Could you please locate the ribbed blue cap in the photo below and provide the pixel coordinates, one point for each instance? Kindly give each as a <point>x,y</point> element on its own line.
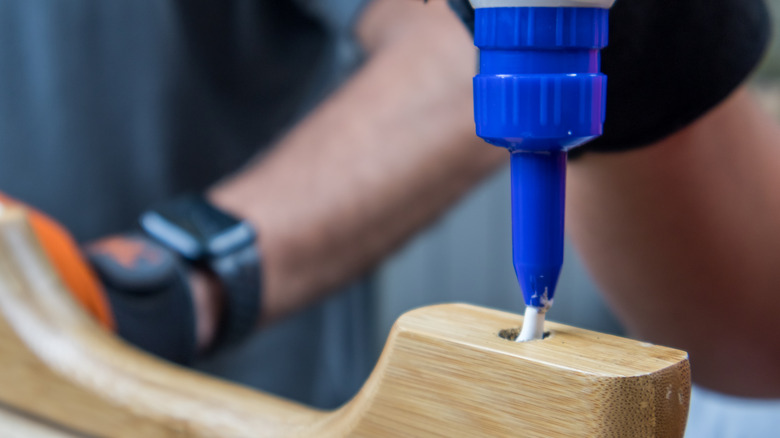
<point>539,85</point>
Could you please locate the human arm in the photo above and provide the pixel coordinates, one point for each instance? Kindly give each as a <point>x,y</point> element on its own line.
<point>683,238</point>
<point>376,162</point>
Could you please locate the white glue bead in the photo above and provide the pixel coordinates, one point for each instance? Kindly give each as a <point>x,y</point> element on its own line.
<point>533,324</point>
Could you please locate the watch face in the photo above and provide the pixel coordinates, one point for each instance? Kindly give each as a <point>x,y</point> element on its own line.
<point>196,230</point>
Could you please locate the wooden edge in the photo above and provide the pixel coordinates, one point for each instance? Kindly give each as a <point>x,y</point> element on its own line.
<point>57,363</point>
<point>444,372</point>
<point>574,383</point>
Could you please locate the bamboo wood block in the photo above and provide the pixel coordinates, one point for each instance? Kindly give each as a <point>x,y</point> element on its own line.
<point>444,372</point>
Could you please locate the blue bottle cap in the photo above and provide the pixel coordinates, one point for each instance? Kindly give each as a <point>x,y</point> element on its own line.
<point>539,85</point>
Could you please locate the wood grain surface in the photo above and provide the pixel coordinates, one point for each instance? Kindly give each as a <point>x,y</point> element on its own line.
<point>444,372</point>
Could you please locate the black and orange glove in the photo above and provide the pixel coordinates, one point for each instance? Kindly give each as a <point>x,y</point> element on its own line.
<point>149,294</point>
<point>131,285</point>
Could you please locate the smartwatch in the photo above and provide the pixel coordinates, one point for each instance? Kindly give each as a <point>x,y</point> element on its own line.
<point>211,239</point>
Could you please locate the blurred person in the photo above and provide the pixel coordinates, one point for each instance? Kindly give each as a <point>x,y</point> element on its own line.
<point>110,109</point>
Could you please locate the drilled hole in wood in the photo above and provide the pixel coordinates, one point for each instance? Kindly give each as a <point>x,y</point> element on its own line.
<point>511,334</point>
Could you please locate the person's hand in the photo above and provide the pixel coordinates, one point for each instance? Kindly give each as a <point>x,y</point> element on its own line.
<point>134,287</point>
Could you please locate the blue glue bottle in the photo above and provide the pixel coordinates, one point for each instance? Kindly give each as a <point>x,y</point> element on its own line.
<point>539,93</point>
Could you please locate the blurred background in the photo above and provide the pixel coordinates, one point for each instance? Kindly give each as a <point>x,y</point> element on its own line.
<point>767,80</point>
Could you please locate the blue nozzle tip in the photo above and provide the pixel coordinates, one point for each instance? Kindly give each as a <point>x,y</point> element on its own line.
<point>538,284</point>
<point>538,203</point>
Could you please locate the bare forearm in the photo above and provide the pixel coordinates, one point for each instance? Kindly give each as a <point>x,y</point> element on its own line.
<point>683,238</point>
<point>377,162</point>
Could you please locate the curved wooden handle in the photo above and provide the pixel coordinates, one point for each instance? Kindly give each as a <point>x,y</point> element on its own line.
<point>444,372</point>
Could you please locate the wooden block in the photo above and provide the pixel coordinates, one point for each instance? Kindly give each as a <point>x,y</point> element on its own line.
<point>445,372</point>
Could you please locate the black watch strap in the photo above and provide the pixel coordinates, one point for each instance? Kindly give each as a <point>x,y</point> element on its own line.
<point>149,295</point>
<point>240,277</point>
<point>209,238</point>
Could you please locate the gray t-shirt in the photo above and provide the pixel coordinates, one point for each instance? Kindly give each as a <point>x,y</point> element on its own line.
<point>109,106</point>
